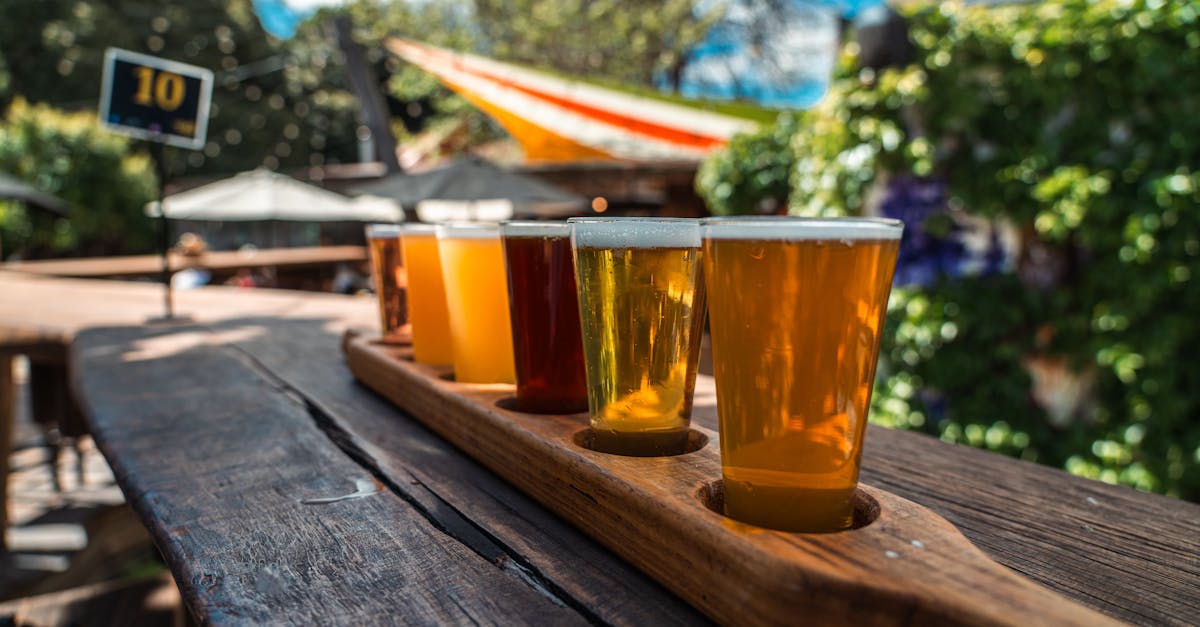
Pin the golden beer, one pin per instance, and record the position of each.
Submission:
(477, 297)
(641, 304)
(796, 309)
(426, 295)
(391, 282)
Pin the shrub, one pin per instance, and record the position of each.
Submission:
(1068, 126)
(70, 156)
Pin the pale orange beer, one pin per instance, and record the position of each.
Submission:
(796, 307)
(641, 305)
(391, 280)
(426, 295)
(477, 297)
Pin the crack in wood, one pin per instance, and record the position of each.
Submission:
(447, 518)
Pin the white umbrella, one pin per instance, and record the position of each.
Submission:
(263, 195)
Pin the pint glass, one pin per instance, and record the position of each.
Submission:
(796, 309)
(544, 307)
(641, 305)
(426, 295)
(477, 297)
(391, 283)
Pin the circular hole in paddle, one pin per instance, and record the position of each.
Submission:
(512, 403)
(641, 444)
(866, 508)
(395, 341)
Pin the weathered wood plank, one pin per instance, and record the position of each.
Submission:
(1131, 555)
(468, 500)
(215, 457)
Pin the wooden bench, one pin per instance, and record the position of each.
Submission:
(230, 435)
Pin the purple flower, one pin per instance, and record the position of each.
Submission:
(924, 256)
(934, 245)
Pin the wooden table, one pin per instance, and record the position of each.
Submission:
(218, 431)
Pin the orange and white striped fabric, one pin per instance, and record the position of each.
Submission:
(558, 119)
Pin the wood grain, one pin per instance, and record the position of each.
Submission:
(909, 565)
(1131, 555)
(465, 500)
(216, 457)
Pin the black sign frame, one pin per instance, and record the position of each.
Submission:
(167, 100)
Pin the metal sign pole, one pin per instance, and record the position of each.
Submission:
(164, 230)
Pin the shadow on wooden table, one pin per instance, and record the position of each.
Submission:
(77, 554)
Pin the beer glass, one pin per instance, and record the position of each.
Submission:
(796, 309)
(426, 295)
(544, 307)
(391, 283)
(477, 297)
(641, 304)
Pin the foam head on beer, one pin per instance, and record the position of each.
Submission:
(641, 305)
(796, 307)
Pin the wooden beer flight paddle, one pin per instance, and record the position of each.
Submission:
(902, 564)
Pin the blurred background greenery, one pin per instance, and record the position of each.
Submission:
(1044, 156)
(1070, 130)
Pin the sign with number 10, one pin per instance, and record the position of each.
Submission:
(155, 99)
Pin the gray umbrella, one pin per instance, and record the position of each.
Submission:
(16, 189)
(470, 180)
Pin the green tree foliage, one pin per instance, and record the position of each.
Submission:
(445, 23)
(626, 41)
(751, 175)
(279, 104)
(71, 157)
(1075, 121)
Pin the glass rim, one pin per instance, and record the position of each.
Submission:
(800, 228)
(422, 228)
(383, 230)
(535, 228)
(468, 230)
(642, 219)
(623, 233)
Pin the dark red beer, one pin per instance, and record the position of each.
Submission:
(547, 346)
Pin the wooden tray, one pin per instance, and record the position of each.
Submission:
(901, 564)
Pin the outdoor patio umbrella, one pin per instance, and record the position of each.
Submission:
(476, 181)
(263, 195)
(15, 189)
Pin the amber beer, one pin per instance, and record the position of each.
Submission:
(477, 298)
(544, 308)
(796, 309)
(391, 282)
(426, 295)
(641, 305)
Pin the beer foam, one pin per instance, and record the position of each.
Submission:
(635, 232)
(800, 229)
(535, 228)
(383, 231)
(468, 230)
(418, 230)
